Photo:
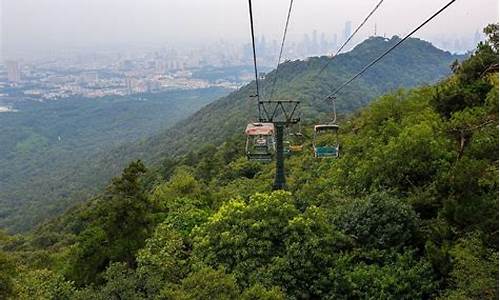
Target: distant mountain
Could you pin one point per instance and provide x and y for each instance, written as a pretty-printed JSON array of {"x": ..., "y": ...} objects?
[{"x": 415, "y": 63}]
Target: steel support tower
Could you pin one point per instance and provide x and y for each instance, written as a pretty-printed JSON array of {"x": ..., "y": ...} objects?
[{"x": 282, "y": 113}]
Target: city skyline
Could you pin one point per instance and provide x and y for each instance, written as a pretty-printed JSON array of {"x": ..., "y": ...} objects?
[
  {"x": 32, "y": 28},
  {"x": 112, "y": 72},
  {"x": 314, "y": 43}
]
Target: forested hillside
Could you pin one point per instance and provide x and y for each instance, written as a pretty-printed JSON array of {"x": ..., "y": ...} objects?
[
  {"x": 40, "y": 195},
  {"x": 409, "y": 211},
  {"x": 49, "y": 150}
]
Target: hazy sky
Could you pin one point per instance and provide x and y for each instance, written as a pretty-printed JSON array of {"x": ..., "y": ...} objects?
[{"x": 50, "y": 24}]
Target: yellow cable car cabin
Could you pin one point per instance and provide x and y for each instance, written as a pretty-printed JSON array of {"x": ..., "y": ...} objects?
[
  {"x": 297, "y": 141},
  {"x": 260, "y": 144},
  {"x": 326, "y": 143}
]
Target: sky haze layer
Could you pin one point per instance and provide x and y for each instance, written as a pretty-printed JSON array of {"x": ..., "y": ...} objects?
[{"x": 47, "y": 25}]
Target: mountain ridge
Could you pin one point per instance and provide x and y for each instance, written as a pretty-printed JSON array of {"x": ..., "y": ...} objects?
[{"x": 313, "y": 103}]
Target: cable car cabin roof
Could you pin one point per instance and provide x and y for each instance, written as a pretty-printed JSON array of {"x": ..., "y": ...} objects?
[
  {"x": 254, "y": 129},
  {"x": 326, "y": 127}
]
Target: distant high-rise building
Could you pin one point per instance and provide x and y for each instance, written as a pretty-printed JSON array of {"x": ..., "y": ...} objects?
[
  {"x": 262, "y": 45},
  {"x": 323, "y": 44},
  {"x": 275, "y": 46},
  {"x": 129, "y": 84},
  {"x": 334, "y": 42},
  {"x": 477, "y": 37},
  {"x": 314, "y": 42},
  {"x": 347, "y": 30},
  {"x": 306, "y": 43},
  {"x": 160, "y": 66},
  {"x": 13, "y": 71}
]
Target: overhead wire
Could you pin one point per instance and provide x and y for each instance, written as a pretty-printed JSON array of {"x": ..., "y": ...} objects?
[
  {"x": 368, "y": 66},
  {"x": 285, "y": 31},
  {"x": 252, "y": 30}
]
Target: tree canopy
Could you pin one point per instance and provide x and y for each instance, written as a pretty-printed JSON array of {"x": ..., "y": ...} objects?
[{"x": 409, "y": 211}]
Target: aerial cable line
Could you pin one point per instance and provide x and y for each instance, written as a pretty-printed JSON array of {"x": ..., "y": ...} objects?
[
  {"x": 351, "y": 37},
  {"x": 254, "y": 56},
  {"x": 282, "y": 47},
  {"x": 334, "y": 93}
]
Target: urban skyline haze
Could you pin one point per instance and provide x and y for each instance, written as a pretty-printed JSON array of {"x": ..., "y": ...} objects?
[{"x": 32, "y": 27}]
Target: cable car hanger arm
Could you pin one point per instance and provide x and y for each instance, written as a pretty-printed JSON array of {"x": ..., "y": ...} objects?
[{"x": 282, "y": 48}]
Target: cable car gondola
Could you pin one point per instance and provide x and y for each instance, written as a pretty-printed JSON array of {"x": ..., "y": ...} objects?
[
  {"x": 326, "y": 137},
  {"x": 294, "y": 141},
  {"x": 260, "y": 144},
  {"x": 297, "y": 140},
  {"x": 286, "y": 148},
  {"x": 326, "y": 142}
]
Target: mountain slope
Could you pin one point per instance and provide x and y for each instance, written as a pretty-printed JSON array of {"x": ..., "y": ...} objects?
[
  {"x": 47, "y": 148},
  {"x": 409, "y": 211},
  {"x": 415, "y": 63}
]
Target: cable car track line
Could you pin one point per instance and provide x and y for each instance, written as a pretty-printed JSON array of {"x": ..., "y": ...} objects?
[
  {"x": 282, "y": 47},
  {"x": 334, "y": 93},
  {"x": 254, "y": 55},
  {"x": 351, "y": 37}
]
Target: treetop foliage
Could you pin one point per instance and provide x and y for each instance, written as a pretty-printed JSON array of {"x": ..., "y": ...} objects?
[{"x": 409, "y": 211}]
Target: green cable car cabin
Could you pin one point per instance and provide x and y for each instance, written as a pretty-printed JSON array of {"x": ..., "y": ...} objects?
[
  {"x": 326, "y": 141},
  {"x": 260, "y": 144}
]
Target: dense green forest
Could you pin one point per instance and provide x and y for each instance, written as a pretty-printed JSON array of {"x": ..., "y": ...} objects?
[
  {"x": 409, "y": 211},
  {"x": 38, "y": 196},
  {"x": 49, "y": 149}
]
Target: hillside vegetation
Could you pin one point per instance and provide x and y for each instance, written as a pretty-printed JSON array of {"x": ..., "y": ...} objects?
[
  {"x": 49, "y": 150},
  {"x": 415, "y": 63},
  {"x": 409, "y": 211}
]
